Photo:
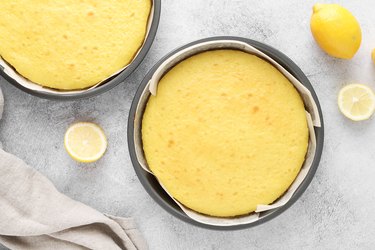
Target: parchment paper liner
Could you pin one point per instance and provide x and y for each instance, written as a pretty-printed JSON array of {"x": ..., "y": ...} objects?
[
  {"x": 11, "y": 72},
  {"x": 312, "y": 116}
]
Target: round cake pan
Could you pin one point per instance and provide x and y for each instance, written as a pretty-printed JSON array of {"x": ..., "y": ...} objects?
[
  {"x": 111, "y": 82},
  {"x": 151, "y": 184}
]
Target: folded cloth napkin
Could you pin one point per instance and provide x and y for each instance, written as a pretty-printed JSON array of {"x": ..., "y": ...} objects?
[{"x": 34, "y": 215}]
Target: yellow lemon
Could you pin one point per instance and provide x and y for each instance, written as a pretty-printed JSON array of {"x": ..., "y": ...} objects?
[
  {"x": 85, "y": 142},
  {"x": 356, "y": 102},
  {"x": 335, "y": 30},
  {"x": 373, "y": 55}
]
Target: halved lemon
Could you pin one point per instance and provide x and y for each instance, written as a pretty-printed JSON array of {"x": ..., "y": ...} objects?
[
  {"x": 356, "y": 102},
  {"x": 85, "y": 142}
]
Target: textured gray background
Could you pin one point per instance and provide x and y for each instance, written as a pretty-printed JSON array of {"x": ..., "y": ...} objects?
[{"x": 335, "y": 211}]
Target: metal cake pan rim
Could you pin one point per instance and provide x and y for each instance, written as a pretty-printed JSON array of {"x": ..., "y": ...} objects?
[
  {"x": 112, "y": 82},
  {"x": 145, "y": 177}
]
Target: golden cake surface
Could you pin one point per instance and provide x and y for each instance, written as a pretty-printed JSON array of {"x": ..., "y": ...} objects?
[
  {"x": 225, "y": 132},
  {"x": 71, "y": 44}
]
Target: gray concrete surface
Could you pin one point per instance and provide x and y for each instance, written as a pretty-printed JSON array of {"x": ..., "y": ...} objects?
[{"x": 335, "y": 212}]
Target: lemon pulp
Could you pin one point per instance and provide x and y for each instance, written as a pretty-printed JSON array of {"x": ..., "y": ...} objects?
[
  {"x": 85, "y": 142},
  {"x": 356, "y": 101}
]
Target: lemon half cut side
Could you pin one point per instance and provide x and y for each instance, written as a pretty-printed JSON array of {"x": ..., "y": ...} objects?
[
  {"x": 356, "y": 102},
  {"x": 85, "y": 142}
]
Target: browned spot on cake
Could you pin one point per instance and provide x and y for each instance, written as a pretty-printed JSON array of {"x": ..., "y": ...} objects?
[
  {"x": 170, "y": 143},
  {"x": 255, "y": 109}
]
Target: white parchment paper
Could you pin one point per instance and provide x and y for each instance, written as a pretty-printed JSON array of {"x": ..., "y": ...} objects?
[
  {"x": 11, "y": 72},
  {"x": 312, "y": 117}
]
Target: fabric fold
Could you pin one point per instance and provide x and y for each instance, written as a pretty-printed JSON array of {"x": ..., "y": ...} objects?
[{"x": 35, "y": 215}]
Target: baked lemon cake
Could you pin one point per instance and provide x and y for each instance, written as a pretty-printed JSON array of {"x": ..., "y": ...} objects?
[
  {"x": 71, "y": 44},
  {"x": 226, "y": 131}
]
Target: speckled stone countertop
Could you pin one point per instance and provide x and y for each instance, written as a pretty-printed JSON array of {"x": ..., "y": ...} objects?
[{"x": 335, "y": 211}]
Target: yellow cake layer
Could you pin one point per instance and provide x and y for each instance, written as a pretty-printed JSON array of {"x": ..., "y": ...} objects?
[
  {"x": 71, "y": 44},
  {"x": 225, "y": 132}
]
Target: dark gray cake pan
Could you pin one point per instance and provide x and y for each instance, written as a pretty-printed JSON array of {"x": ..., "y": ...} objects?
[
  {"x": 153, "y": 187},
  {"x": 113, "y": 81}
]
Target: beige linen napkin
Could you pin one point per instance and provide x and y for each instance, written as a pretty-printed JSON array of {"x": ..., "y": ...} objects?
[{"x": 34, "y": 215}]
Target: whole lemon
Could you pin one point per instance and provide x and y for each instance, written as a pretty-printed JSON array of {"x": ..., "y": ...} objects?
[
  {"x": 335, "y": 30},
  {"x": 373, "y": 55}
]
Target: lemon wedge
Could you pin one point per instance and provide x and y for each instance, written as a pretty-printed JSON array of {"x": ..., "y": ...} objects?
[
  {"x": 356, "y": 102},
  {"x": 85, "y": 142}
]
